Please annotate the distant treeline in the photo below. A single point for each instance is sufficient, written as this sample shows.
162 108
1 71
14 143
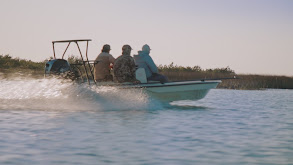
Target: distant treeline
7 62
178 73
173 72
10 66
258 82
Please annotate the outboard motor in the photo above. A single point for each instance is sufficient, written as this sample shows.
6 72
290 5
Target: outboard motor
57 66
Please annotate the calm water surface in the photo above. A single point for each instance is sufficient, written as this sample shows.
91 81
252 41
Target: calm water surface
49 122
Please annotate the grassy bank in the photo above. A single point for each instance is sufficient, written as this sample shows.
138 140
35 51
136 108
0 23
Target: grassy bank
258 82
242 82
177 73
20 67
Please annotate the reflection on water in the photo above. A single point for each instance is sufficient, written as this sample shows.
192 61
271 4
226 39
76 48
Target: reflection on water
54 122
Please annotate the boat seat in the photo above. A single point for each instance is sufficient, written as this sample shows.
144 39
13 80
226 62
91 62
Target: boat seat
140 75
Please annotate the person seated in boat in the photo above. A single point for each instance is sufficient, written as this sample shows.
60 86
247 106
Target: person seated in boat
124 66
103 65
144 60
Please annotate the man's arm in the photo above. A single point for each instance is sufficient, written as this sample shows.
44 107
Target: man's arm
152 65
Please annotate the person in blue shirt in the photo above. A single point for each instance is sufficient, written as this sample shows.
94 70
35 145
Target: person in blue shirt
144 60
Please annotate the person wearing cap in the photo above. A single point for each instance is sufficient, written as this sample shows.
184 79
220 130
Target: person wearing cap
103 64
124 66
144 60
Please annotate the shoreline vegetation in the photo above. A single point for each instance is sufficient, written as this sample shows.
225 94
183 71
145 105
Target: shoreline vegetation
12 67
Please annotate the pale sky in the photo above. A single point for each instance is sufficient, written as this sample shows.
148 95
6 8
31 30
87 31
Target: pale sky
249 36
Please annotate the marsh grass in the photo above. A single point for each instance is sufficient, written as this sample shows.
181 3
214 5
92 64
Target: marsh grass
7 62
258 82
178 73
12 67
243 81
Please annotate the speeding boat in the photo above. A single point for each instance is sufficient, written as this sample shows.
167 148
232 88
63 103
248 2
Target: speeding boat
175 91
169 91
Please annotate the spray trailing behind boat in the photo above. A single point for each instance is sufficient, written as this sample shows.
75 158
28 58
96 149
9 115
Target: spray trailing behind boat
54 94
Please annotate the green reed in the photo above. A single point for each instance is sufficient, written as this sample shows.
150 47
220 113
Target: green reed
180 73
11 67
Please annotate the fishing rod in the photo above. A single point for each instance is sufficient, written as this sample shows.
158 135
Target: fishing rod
223 78
203 80
209 79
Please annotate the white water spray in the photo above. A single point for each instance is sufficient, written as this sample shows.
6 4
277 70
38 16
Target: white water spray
57 94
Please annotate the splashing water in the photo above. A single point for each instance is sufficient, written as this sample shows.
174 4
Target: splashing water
57 94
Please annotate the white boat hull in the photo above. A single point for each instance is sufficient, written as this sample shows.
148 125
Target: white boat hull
174 91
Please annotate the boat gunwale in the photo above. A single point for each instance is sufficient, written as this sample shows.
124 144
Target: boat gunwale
169 84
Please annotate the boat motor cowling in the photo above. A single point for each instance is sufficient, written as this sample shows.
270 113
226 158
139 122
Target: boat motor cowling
57 66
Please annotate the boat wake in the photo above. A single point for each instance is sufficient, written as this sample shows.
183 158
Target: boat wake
57 94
